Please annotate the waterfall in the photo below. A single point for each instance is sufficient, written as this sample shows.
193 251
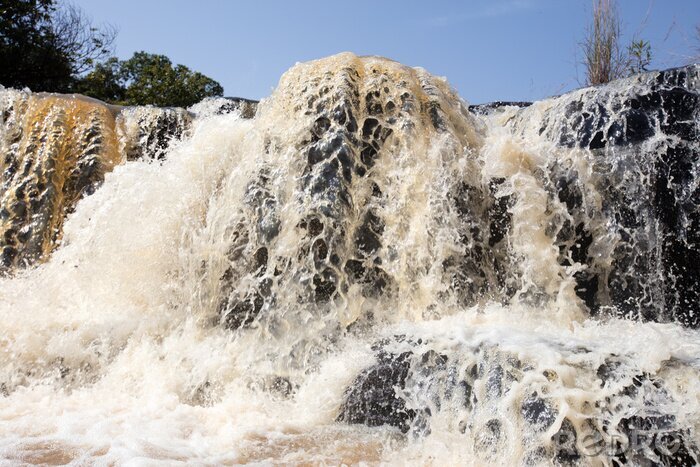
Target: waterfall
361 268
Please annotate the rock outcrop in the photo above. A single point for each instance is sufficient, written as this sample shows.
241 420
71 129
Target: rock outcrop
624 201
56 149
638 239
413 384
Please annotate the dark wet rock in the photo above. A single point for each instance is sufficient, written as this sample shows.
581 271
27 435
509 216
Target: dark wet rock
651 436
484 109
411 382
538 412
45 173
643 132
280 387
156 129
350 122
325 283
93 150
239 313
408 374
372 398
488 438
246 107
564 440
249 256
483 268
609 370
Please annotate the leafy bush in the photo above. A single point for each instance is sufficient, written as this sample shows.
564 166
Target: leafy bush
638 56
148 79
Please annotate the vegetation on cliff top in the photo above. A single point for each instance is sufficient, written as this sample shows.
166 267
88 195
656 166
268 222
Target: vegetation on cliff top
603 56
147 79
50 45
47 46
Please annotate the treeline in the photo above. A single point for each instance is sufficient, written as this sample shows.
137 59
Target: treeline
47 46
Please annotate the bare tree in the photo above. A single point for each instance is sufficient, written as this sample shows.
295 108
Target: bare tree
81 41
602 55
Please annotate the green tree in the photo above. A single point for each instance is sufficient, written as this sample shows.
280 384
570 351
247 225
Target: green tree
152 79
104 82
148 79
46 46
30 53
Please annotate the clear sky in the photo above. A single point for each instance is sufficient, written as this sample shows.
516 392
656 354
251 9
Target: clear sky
488 49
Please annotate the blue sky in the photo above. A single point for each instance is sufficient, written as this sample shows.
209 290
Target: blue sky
488 49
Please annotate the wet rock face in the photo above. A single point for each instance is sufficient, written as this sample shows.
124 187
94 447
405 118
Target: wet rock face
626 221
351 119
54 150
475 391
490 107
245 108
650 434
147 132
643 136
628 111
336 150
373 400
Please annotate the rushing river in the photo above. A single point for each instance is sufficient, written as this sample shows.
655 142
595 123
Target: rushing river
365 271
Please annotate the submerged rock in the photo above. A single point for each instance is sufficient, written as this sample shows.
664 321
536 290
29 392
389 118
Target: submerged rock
373 399
472 390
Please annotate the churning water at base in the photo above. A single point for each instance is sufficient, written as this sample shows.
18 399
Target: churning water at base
364 272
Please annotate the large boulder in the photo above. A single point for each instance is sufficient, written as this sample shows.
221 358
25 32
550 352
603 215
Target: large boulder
633 207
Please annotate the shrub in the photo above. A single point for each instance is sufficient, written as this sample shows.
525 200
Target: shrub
603 58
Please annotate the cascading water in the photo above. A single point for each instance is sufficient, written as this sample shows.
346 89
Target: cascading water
56 149
364 271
